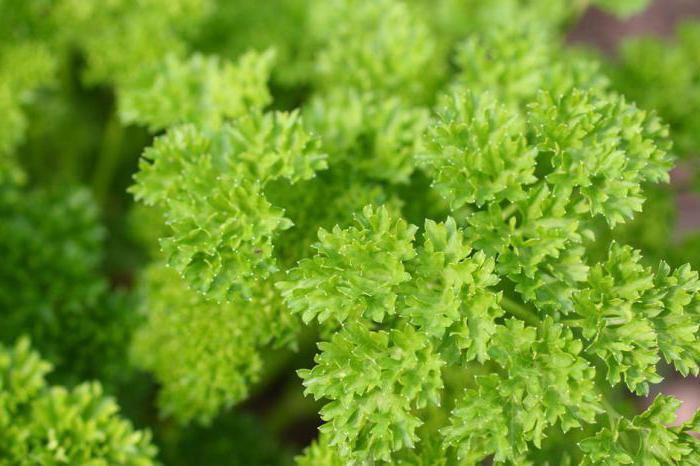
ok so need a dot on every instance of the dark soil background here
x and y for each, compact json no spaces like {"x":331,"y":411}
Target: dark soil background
{"x":605,"y":31}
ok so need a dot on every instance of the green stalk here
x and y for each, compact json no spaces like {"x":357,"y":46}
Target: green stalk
{"x":291,"y":407}
{"x":108,"y":159}
{"x":508,"y":211}
{"x":520,"y":311}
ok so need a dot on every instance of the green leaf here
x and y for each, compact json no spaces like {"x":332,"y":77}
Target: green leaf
{"x":451,"y":297}
{"x":544,"y":381}
{"x":611,"y":318}
{"x":631,"y":314}
{"x":476,"y":152}
{"x":210,"y":187}
{"x":374,"y":380}
{"x":645,"y":440}
{"x":356,"y":272}
{"x":52,"y":425}
{"x":602,"y":147}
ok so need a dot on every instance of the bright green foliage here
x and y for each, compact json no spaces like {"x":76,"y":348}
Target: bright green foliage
{"x":630,"y":314}
{"x":546,"y":380}
{"x":665,"y":76}
{"x":450,"y":297}
{"x":200,"y":90}
{"x":275,"y":145}
{"x":477,"y":152}
{"x":205,"y":355}
{"x":645,"y":439}
{"x":219,"y":250}
{"x":594,"y":152}
{"x":356,"y":273}
{"x":374,"y":380}
{"x":675,"y":316}
{"x":51,"y":425}
{"x":210,"y":188}
{"x":364,"y":132}
{"x":371,"y":273}
{"x":527,"y":171}
{"x":432,"y":187}
{"x":603,"y":147}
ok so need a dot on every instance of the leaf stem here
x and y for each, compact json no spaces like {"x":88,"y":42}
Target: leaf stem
{"x":609,"y":408}
{"x":108,"y":159}
{"x":508,"y":211}
{"x":520,"y":311}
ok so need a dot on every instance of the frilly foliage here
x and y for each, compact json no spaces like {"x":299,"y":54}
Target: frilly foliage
{"x":210,"y":186}
{"x":52,"y":425}
{"x":595,"y":163}
{"x":375,"y":380}
{"x":368,"y":268}
{"x":632,"y":315}
{"x":436,"y":297}
{"x":362,"y":277}
{"x":645,"y":439}
{"x":526,"y":171}
{"x":507,"y":411}
{"x":479,"y":153}
{"x":545,"y":376}
{"x":431,"y":186}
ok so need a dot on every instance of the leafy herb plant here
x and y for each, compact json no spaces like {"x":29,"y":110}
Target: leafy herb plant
{"x":437,"y":199}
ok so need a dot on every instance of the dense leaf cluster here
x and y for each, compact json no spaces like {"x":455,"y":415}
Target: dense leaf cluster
{"x":52,"y":425}
{"x":437,"y":196}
